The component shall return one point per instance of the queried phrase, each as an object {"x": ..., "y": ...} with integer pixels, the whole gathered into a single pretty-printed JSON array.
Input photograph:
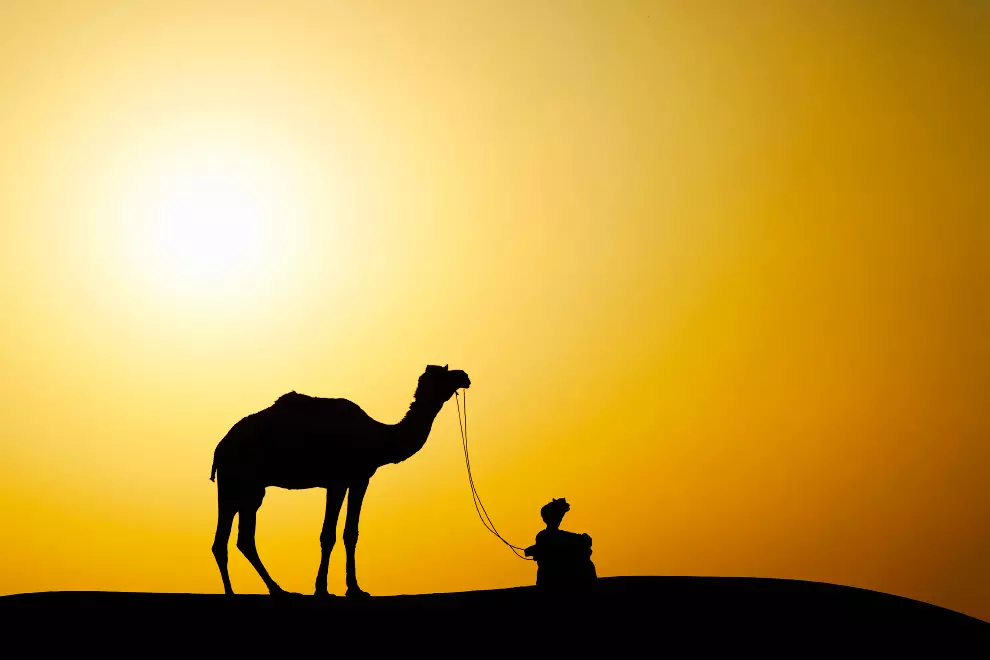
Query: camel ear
[{"x": 445, "y": 367}]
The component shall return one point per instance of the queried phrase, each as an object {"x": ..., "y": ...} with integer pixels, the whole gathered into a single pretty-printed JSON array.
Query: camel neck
[{"x": 411, "y": 432}]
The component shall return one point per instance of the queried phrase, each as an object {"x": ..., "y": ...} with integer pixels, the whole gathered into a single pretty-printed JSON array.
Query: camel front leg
[
  {"x": 355, "y": 498},
  {"x": 335, "y": 498}
]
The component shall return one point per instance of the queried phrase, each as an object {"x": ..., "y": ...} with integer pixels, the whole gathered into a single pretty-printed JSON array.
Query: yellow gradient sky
[{"x": 720, "y": 274}]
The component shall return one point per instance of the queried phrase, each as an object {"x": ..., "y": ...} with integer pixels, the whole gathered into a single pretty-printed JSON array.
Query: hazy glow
[
  {"x": 718, "y": 273},
  {"x": 208, "y": 226}
]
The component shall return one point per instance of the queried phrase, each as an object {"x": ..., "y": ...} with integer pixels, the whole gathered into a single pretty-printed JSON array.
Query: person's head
[{"x": 553, "y": 512}]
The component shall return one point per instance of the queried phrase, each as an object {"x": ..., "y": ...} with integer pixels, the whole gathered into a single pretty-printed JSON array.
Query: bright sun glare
[{"x": 211, "y": 224}]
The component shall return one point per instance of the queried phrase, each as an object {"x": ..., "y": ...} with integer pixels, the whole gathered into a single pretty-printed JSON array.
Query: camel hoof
[
  {"x": 356, "y": 592},
  {"x": 278, "y": 591},
  {"x": 323, "y": 594}
]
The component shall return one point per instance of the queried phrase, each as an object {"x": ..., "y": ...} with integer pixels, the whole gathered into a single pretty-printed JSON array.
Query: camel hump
[{"x": 292, "y": 397}]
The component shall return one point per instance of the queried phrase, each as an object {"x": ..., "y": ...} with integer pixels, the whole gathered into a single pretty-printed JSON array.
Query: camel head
[{"x": 439, "y": 383}]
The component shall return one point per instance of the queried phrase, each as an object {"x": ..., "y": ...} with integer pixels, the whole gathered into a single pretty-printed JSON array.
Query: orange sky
[{"x": 718, "y": 273}]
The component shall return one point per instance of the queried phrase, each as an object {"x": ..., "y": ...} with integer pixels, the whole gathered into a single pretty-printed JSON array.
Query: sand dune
[{"x": 623, "y": 617}]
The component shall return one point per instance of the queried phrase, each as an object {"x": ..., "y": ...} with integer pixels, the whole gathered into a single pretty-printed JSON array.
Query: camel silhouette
[{"x": 310, "y": 442}]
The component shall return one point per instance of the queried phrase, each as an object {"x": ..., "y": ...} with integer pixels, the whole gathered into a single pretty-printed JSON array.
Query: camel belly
[
  {"x": 302, "y": 460},
  {"x": 314, "y": 476}
]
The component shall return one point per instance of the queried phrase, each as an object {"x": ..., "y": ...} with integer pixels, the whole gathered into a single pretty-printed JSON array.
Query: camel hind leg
[
  {"x": 226, "y": 508},
  {"x": 246, "y": 523}
]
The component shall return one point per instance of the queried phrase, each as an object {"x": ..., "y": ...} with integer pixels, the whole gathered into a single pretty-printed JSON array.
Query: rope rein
[{"x": 478, "y": 504}]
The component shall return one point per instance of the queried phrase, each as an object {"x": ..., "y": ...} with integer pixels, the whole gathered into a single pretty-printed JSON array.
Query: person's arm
[{"x": 532, "y": 551}]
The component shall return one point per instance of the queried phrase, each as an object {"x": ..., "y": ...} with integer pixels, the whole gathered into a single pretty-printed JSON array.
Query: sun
[{"x": 211, "y": 224}]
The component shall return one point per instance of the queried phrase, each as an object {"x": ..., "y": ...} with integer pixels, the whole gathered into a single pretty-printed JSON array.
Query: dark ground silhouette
[
  {"x": 621, "y": 616},
  {"x": 309, "y": 442}
]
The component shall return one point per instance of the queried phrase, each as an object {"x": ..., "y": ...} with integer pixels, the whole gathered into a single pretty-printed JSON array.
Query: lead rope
[{"x": 478, "y": 504}]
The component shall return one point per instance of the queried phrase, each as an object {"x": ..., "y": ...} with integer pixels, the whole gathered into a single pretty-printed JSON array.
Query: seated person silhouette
[{"x": 563, "y": 559}]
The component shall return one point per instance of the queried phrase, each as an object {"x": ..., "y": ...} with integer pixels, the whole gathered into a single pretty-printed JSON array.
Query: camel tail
[
  {"x": 223, "y": 450},
  {"x": 213, "y": 469}
]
